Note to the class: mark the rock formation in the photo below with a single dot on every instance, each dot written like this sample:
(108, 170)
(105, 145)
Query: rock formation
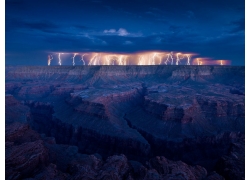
(134, 122)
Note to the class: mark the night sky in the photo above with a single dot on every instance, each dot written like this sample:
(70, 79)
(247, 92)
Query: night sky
(210, 28)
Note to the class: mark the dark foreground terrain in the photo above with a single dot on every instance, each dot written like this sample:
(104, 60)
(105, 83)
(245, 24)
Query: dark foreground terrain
(125, 122)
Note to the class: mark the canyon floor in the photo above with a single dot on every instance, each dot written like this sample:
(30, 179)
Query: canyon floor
(125, 122)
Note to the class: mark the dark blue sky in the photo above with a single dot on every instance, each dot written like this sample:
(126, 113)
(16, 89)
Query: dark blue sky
(211, 28)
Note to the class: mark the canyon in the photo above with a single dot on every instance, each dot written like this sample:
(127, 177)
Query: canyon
(125, 122)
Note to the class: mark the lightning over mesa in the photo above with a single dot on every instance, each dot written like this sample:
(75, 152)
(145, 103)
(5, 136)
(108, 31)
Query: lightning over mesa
(137, 58)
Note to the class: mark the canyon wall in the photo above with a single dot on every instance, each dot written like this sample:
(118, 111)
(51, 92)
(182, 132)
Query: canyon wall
(188, 113)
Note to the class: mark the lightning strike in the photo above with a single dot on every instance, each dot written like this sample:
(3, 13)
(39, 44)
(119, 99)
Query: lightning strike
(198, 61)
(153, 58)
(170, 55)
(83, 62)
(141, 61)
(59, 59)
(188, 59)
(50, 57)
(73, 58)
(91, 62)
(178, 58)
(140, 58)
(120, 60)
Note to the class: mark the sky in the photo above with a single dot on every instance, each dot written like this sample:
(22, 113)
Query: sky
(209, 28)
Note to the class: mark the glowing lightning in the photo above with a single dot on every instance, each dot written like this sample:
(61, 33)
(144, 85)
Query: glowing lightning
(83, 62)
(113, 60)
(170, 55)
(141, 60)
(107, 60)
(178, 58)
(91, 62)
(166, 62)
(73, 62)
(125, 60)
(120, 60)
(153, 59)
(59, 59)
(199, 62)
(188, 59)
(98, 60)
(50, 57)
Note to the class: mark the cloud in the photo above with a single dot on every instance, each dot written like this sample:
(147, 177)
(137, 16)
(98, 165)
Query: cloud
(120, 32)
(128, 43)
(14, 24)
(38, 25)
(175, 28)
(81, 27)
(239, 25)
(190, 14)
(110, 31)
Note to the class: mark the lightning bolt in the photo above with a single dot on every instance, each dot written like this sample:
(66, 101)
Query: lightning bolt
(141, 60)
(59, 59)
(50, 57)
(167, 60)
(188, 59)
(178, 58)
(161, 58)
(199, 62)
(92, 60)
(114, 59)
(98, 58)
(170, 55)
(125, 60)
(73, 61)
(107, 60)
(153, 58)
(120, 60)
(83, 62)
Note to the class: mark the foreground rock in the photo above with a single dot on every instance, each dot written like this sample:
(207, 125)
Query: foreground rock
(41, 158)
(232, 165)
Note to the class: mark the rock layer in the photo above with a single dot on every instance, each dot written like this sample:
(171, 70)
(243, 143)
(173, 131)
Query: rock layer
(184, 113)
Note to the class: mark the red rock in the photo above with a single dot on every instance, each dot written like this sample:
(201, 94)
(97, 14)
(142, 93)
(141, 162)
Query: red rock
(188, 113)
(177, 169)
(51, 172)
(23, 160)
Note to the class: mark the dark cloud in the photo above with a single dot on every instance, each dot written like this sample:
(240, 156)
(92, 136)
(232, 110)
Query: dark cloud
(14, 24)
(81, 27)
(210, 28)
(190, 14)
(40, 25)
(239, 25)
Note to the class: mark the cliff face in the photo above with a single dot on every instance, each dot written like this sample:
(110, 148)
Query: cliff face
(92, 74)
(188, 113)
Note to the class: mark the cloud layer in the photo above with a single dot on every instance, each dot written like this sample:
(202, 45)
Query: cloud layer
(209, 28)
